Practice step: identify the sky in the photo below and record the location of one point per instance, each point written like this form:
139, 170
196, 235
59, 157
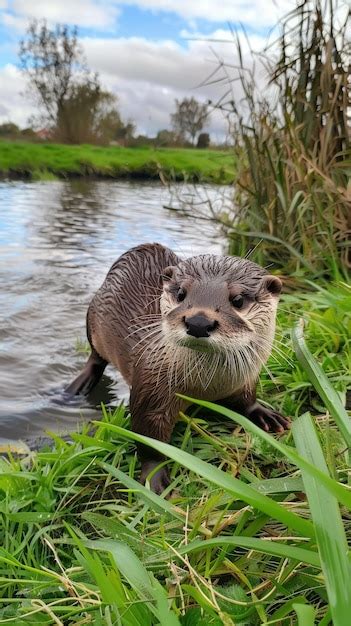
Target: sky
147, 52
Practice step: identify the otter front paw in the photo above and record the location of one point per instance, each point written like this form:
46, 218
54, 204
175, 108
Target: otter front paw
267, 419
159, 480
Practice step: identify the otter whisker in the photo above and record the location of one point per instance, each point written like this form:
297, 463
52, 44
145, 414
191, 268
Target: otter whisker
200, 373
193, 366
154, 342
148, 286
267, 345
288, 312
283, 344
252, 250
161, 366
141, 329
174, 365
267, 370
185, 368
152, 301
242, 363
213, 373
152, 354
146, 337
263, 363
157, 316
279, 356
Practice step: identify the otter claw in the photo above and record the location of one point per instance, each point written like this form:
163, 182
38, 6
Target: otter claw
160, 479
268, 419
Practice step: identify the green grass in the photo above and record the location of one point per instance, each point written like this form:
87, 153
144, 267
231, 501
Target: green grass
256, 528
41, 161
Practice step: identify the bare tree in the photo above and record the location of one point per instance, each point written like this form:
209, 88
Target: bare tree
69, 96
189, 118
51, 59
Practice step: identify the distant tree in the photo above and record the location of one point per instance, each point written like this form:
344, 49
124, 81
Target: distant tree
189, 118
166, 137
52, 61
28, 133
143, 140
9, 129
69, 96
203, 140
90, 115
75, 121
125, 133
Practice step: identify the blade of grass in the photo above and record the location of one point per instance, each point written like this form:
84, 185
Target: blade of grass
305, 614
251, 543
233, 485
109, 583
287, 608
142, 581
279, 485
330, 534
321, 383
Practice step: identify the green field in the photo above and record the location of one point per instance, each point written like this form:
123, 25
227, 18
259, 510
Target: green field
40, 161
252, 532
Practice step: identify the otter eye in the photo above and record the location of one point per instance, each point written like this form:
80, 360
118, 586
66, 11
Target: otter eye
237, 301
181, 295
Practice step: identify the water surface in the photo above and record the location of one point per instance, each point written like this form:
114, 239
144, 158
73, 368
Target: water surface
57, 241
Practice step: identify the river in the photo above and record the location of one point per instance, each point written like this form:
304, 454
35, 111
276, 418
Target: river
57, 241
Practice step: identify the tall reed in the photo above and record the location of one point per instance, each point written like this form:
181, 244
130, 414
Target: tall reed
292, 143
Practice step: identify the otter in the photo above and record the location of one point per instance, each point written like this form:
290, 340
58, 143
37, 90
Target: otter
201, 326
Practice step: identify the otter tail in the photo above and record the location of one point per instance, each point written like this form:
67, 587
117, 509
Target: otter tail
89, 377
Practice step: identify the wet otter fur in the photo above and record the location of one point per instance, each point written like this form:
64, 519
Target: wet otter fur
201, 326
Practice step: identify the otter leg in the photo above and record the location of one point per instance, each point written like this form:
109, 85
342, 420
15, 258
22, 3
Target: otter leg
160, 479
265, 418
89, 377
157, 427
149, 419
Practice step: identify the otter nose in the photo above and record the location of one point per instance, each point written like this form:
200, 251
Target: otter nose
199, 325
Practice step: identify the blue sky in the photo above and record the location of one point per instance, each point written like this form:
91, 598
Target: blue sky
148, 52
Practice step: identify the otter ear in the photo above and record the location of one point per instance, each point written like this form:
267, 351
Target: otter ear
168, 273
273, 284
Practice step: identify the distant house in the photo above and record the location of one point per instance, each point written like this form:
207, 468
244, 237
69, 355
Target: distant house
44, 133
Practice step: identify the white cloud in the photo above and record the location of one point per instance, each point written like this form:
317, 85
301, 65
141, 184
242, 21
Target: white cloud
14, 22
163, 63
84, 13
14, 107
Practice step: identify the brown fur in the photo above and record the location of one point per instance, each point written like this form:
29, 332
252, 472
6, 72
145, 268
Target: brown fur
136, 323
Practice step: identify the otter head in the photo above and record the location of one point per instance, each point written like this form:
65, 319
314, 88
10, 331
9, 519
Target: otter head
220, 304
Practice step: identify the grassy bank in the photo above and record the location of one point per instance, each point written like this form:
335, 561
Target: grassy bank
44, 160
242, 540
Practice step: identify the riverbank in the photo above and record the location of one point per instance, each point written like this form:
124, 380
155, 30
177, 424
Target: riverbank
242, 538
45, 161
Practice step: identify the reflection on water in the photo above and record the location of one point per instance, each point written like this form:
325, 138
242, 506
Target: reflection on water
57, 241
